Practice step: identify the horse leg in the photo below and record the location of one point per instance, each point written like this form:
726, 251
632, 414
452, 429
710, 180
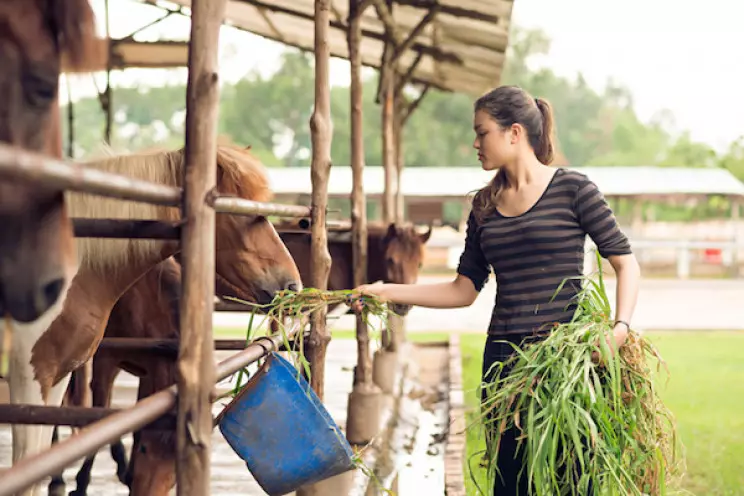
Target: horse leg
103, 374
31, 439
76, 393
57, 484
24, 389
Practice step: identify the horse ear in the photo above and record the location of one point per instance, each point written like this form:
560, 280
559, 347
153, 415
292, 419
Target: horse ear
392, 232
425, 237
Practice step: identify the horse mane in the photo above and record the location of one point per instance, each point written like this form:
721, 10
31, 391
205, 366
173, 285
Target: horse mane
74, 26
239, 174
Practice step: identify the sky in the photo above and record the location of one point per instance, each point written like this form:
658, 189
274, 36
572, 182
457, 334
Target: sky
680, 55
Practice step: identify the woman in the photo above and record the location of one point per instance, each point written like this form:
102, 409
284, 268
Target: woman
529, 225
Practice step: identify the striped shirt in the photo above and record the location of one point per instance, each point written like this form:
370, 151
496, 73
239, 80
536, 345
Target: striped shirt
533, 253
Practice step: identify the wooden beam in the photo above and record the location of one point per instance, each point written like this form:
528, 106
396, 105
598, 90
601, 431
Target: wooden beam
401, 48
413, 105
196, 371
435, 53
406, 78
386, 18
451, 10
321, 130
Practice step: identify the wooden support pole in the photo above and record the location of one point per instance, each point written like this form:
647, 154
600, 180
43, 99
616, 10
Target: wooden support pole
398, 125
363, 407
388, 140
196, 371
321, 130
363, 371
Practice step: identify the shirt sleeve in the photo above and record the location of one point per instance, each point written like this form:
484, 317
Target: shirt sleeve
598, 221
473, 263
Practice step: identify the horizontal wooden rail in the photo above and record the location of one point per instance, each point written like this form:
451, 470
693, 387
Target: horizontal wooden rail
155, 229
90, 439
125, 229
19, 164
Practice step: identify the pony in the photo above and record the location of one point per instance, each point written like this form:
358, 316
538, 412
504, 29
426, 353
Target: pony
250, 260
37, 245
149, 310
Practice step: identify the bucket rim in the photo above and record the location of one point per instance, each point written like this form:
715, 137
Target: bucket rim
270, 355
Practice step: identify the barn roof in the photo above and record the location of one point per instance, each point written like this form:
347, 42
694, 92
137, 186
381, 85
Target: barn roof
457, 182
461, 46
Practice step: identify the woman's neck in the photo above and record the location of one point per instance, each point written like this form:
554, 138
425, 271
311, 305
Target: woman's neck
524, 172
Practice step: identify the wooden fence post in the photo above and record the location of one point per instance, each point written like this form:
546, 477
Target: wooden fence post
321, 129
363, 408
195, 361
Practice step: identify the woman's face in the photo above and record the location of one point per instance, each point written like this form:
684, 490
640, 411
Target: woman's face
496, 146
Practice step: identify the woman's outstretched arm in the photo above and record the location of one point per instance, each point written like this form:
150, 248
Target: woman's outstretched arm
457, 293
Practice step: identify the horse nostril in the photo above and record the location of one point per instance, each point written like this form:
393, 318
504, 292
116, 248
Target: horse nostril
52, 290
293, 286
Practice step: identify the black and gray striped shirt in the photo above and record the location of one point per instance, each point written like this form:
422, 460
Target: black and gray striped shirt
531, 254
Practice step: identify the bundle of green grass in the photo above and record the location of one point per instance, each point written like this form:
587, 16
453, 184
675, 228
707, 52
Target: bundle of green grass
297, 307
602, 419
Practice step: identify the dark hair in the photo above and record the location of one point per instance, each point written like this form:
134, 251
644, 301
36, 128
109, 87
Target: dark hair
509, 105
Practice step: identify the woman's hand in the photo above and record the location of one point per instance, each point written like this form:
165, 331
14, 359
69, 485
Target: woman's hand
620, 335
377, 290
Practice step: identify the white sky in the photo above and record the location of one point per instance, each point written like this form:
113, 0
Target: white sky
681, 55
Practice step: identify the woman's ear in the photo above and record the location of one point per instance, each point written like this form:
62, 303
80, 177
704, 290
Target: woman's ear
515, 133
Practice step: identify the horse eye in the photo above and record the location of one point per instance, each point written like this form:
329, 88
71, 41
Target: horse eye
39, 89
390, 261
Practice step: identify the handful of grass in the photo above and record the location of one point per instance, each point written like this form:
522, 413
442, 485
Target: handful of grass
584, 424
298, 306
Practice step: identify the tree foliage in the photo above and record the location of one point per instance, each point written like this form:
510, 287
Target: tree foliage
272, 115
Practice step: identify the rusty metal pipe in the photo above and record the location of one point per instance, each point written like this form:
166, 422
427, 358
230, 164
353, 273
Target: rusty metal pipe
240, 206
90, 439
29, 166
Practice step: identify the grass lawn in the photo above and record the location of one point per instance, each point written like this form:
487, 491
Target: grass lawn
705, 392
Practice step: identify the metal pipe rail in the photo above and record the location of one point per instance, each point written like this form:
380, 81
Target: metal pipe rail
29, 166
90, 439
241, 206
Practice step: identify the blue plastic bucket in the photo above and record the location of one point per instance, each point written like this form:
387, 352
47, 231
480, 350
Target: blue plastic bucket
280, 428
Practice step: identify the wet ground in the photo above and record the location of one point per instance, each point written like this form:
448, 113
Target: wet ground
418, 438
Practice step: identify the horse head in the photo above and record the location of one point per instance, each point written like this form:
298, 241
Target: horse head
252, 259
37, 250
403, 249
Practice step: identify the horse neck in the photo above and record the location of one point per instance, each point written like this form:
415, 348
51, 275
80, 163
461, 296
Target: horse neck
149, 309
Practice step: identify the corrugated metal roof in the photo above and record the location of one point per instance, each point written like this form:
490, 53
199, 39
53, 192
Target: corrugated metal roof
461, 49
460, 181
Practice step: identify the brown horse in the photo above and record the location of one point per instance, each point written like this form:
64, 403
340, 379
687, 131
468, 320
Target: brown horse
148, 310
250, 259
37, 246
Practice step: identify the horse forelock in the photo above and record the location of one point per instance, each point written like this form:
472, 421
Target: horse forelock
74, 26
242, 174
